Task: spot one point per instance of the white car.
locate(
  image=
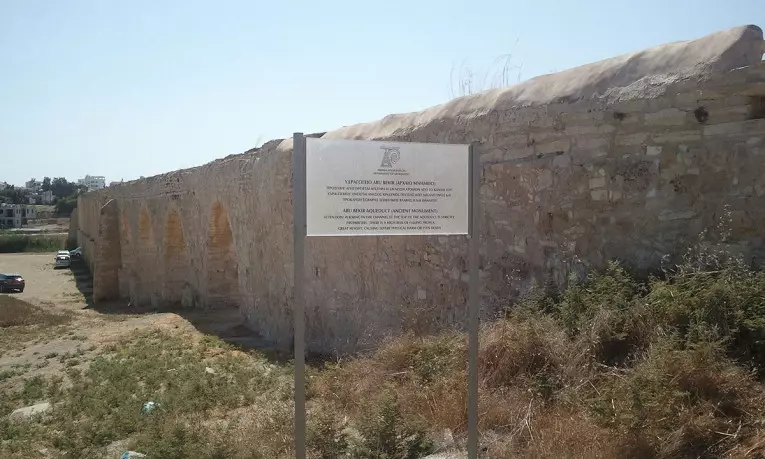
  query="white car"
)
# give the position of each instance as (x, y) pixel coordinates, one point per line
(63, 260)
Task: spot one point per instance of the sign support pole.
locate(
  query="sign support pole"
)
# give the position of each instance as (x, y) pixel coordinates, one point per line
(473, 299)
(298, 254)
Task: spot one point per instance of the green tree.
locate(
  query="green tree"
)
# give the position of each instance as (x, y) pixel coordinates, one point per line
(46, 184)
(66, 205)
(13, 195)
(62, 188)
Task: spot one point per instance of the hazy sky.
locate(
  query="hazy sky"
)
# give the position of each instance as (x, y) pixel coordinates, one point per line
(141, 87)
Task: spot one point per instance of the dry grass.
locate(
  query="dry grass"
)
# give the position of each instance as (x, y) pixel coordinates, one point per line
(226, 411)
(19, 313)
(612, 369)
(22, 322)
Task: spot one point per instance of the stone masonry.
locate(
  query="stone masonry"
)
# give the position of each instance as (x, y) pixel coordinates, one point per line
(628, 158)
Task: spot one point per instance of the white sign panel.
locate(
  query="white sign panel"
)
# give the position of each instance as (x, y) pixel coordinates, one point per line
(366, 188)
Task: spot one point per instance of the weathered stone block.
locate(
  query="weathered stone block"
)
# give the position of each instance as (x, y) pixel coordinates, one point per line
(562, 145)
(653, 150)
(592, 143)
(544, 179)
(632, 139)
(597, 182)
(678, 137)
(667, 117)
(724, 128)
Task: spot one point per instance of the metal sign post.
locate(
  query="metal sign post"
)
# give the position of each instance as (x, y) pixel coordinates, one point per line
(298, 257)
(371, 188)
(473, 300)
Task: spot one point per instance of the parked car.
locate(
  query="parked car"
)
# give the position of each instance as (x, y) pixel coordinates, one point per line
(76, 253)
(63, 260)
(10, 282)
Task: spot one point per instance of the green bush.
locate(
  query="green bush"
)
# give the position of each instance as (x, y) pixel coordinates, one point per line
(386, 434)
(325, 433)
(675, 397)
(607, 312)
(729, 303)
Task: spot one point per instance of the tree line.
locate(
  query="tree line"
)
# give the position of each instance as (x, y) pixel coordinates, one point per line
(64, 194)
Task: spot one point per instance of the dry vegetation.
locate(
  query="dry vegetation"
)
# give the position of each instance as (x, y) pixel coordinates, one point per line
(612, 367)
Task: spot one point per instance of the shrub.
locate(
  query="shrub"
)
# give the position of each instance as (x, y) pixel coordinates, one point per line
(682, 402)
(326, 435)
(515, 351)
(14, 243)
(729, 302)
(386, 434)
(607, 313)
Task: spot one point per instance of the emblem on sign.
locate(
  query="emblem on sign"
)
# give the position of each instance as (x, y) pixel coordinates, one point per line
(390, 157)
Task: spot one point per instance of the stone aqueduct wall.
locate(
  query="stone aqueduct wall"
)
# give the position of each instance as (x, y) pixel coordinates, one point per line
(628, 159)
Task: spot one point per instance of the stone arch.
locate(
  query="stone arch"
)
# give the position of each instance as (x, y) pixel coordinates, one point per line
(108, 255)
(127, 234)
(145, 231)
(175, 258)
(146, 272)
(222, 267)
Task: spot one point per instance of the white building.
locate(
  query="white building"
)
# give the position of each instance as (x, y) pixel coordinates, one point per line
(34, 184)
(15, 215)
(93, 182)
(47, 197)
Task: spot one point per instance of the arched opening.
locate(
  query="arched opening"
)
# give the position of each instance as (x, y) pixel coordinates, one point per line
(176, 259)
(108, 256)
(127, 236)
(222, 268)
(145, 232)
(145, 272)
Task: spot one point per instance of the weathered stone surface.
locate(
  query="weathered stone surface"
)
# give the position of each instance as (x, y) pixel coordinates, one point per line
(578, 169)
(28, 412)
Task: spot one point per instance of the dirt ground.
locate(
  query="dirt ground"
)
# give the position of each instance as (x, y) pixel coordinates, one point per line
(44, 284)
(67, 291)
(72, 340)
(57, 290)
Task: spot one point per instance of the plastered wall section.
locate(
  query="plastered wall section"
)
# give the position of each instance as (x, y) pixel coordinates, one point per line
(632, 175)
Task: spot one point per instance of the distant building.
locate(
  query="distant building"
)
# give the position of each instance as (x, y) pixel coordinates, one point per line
(16, 215)
(3, 185)
(33, 185)
(93, 182)
(115, 183)
(46, 197)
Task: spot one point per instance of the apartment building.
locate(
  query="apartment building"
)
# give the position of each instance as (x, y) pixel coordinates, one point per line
(93, 182)
(16, 215)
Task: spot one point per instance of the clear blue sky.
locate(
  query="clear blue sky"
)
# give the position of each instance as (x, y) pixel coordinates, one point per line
(131, 88)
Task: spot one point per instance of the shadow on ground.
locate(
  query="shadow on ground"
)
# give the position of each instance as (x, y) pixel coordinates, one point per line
(227, 324)
(83, 280)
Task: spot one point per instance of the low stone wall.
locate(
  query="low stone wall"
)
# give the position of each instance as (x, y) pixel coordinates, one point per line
(630, 159)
